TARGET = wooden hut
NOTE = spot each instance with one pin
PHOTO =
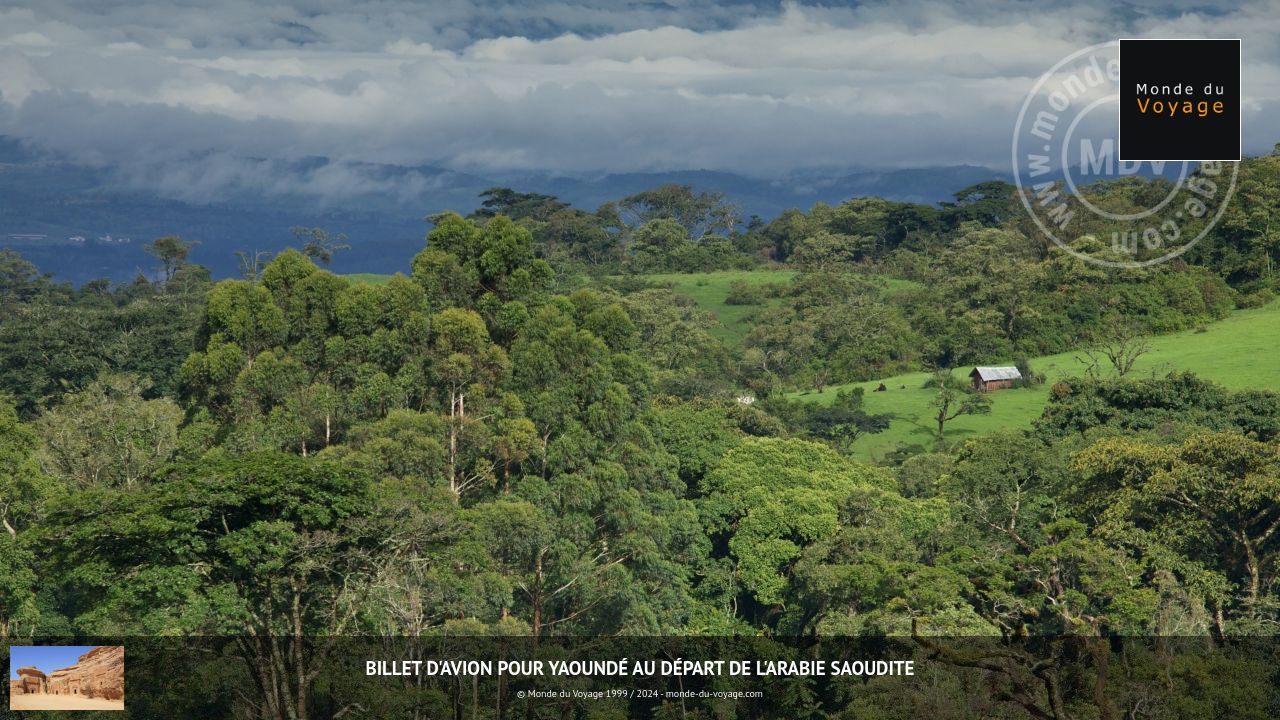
(986, 379)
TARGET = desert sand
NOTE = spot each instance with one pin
(62, 702)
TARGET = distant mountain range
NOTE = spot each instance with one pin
(82, 221)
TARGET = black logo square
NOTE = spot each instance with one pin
(1179, 100)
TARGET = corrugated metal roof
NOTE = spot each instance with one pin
(997, 373)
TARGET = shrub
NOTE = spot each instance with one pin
(1030, 378)
(743, 293)
(1255, 299)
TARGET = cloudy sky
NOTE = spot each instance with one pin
(760, 88)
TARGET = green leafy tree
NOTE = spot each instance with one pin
(266, 547)
(23, 487)
(769, 498)
(466, 266)
(951, 401)
(698, 212)
(246, 314)
(517, 205)
(19, 279)
(318, 244)
(844, 421)
(1180, 400)
(171, 251)
(109, 435)
(467, 364)
(1211, 502)
(23, 493)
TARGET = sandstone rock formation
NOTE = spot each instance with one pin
(98, 673)
(30, 681)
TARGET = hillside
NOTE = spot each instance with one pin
(710, 289)
(1238, 352)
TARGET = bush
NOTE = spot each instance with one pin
(1255, 299)
(958, 383)
(743, 293)
(1030, 378)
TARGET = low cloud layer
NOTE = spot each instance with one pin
(754, 88)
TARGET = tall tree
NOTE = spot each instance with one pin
(267, 547)
(698, 212)
(171, 251)
(318, 244)
(1213, 501)
(467, 365)
(109, 435)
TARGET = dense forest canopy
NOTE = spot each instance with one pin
(526, 434)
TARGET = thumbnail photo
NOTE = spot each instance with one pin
(66, 677)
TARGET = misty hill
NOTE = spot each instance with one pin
(81, 221)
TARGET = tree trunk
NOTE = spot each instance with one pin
(1251, 567)
(457, 412)
(1100, 648)
(536, 599)
(300, 666)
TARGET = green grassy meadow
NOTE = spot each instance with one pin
(1242, 351)
(709, 290)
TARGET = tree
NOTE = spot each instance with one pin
(825, 251)
(655, 244)
(466, 363)
(1037, 576)
(878, 572)
(578, 234)
(18, 586)
(1122, 342)
(23, 487)
(1177, 400)
(698, 212)
(50, 345)
(465, 265)
(107, 435)
(23, 493)
(517, 205)
(251, 263)
(267, 547)
(1246, 243)
(844, 421)
(1213, 499)
(987, 202)
(952, 402)
(171, 251)
(19, 279)
(769, 498)
(318, 244)
(244, 313)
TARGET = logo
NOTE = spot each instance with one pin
(1180, 99)
(1086, 200)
